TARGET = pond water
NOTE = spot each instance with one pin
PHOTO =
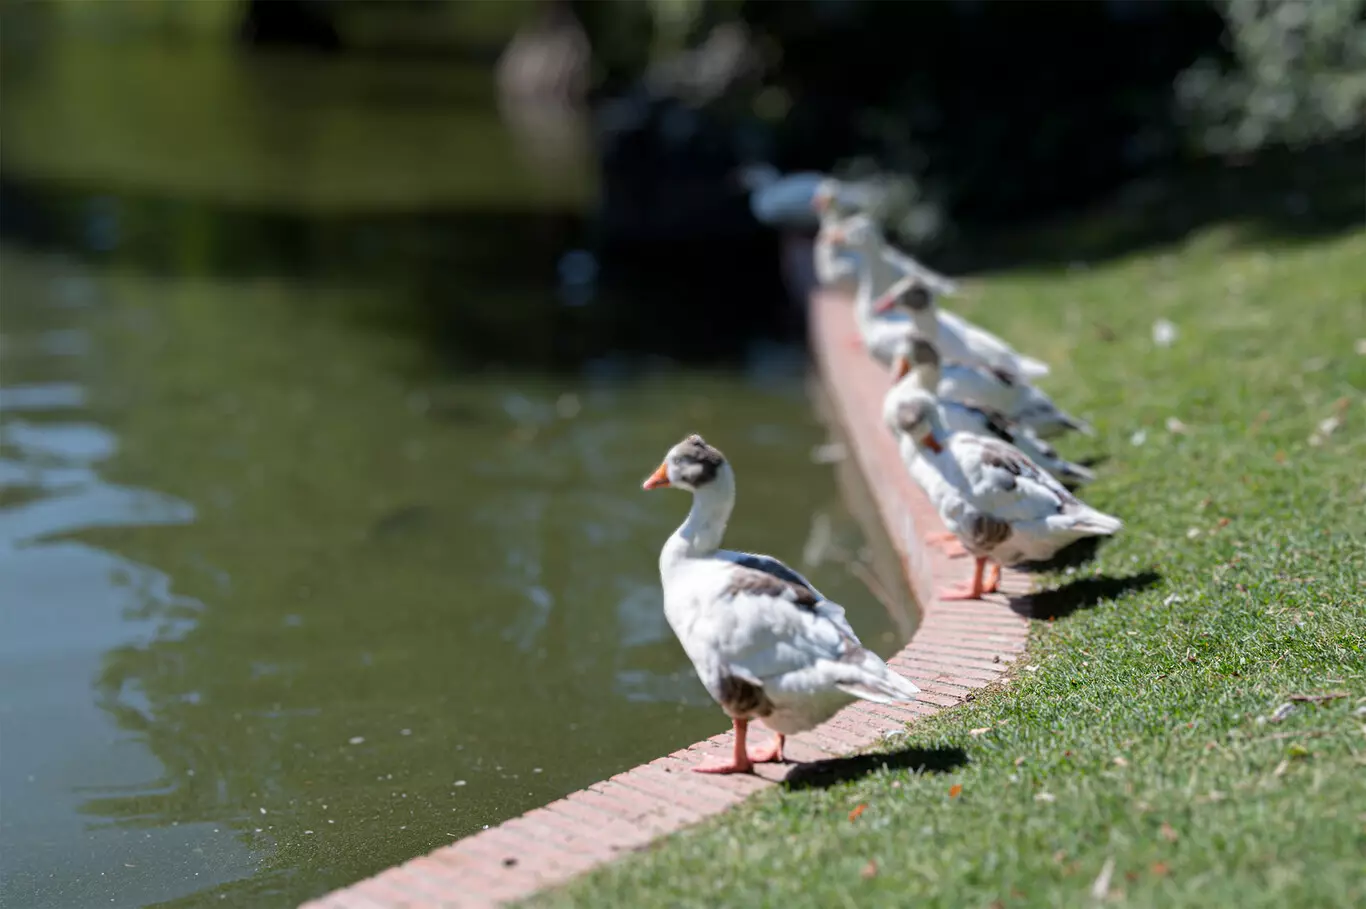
(321, 534)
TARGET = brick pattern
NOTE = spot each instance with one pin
(959, 647)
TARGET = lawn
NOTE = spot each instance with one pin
(1195, 733)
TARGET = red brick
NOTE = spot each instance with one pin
(613, 829)
(698, 798)
(634, 808)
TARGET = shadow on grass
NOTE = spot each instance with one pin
(1073, 555)
(824, 774)
(1080, 594)
(1275, 195)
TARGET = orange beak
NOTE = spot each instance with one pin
(886, 303)
(931, 443)
(659, 479)
(900, 366)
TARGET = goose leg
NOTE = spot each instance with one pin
(773, 752)
(971, 591)
(993, 583)
(739, 762)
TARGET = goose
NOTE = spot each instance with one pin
(764, 642)
(1003, 508)
(916, 367)
(885, 272)
(972, 383)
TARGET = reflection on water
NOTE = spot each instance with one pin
(322, 539)
(337, 607)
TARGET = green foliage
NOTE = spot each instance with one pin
(1298, 75)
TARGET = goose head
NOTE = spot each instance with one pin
(917, 354)
(910, 294)
(917, 416)
(691, 465)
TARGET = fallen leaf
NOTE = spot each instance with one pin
(862, 807)
(869, 870)
(1168, 834)
(1176, 427)
(1224, 522)
(955, 790)
(1019, 760)
(1059, 857)
(1281, 768)
(1280, 456)
(1318, 698)
(1159, 868)
(1101, 888)
(979, 731)
(1120, 762)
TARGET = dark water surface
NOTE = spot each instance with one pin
(321, 537)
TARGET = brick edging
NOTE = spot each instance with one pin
(958, 647)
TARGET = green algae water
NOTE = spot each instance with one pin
(321, 535)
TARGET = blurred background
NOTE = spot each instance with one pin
(336, 337)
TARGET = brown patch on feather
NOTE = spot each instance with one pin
(987, 532)
(762, 583)
(743, 699)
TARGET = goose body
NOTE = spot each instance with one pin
(1002, 507)
(765, 643)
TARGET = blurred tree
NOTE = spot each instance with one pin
(289, 23)
(1295, 74)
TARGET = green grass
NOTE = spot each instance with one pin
(1139, 733)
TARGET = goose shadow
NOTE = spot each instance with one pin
(827, 773)
(1072, 555)
(1080, 594)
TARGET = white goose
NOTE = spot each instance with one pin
(834, 201)
(884, 270)
(1003, 508)
(971, 383)
(765, 643)
(916, 367)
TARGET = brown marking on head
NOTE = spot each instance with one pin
(695, 462)
(917, 297)
(923, 352)
(913, 415)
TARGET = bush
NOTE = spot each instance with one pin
(1296, 75)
